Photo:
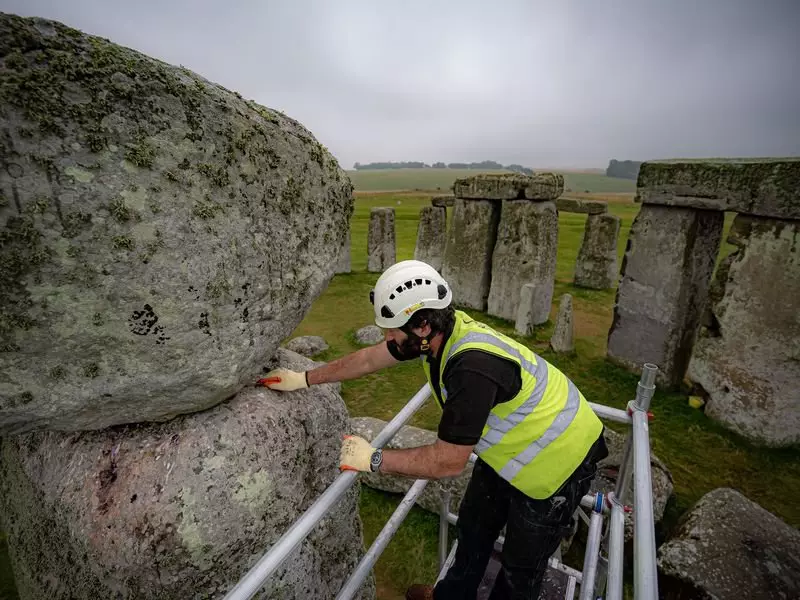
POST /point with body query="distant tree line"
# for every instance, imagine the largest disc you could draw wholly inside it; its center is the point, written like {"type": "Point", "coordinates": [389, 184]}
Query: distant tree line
{"type": "Point", "coordinates": [626, 169]}
{"type": "Point", "coordinates": [486, 165]}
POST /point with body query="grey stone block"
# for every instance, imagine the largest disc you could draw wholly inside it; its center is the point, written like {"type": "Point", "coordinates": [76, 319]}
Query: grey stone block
{"type": "Point", "coordinates": [344, 264]}
{"type": "Point", "coordinates": [380, 240]}
{"type": "Point", "coordinates": [161, 235]}
{"type": "Point", "coordinates": [369, 335]}
{"type": "Point", "coordinates": [443, 201]}
{"type": "Point", "coordinates": [589, 207]}
{"type": "Point", "coordinates": [768, 187]}
{"type": "Point", "coordinates": [510, 186]}
{"type": "Point", "coordinates": [468, 253]}
{"type": "Point", "coordinates": [663, 288]}
{"type": "Point", "coordinates": [727, 546]}
{"type": "Point", "coordinates": [307, 345]}
{"type": "Point", "coordinates": [596, 266]}
{"type": "Point", "coordinates": [563, 338]}
{"type": "Point", "coordinates": [182, 509]}
{"type": "Point", "coordinates": [747, 357]}
{"type": "Point", "coordinates": [525, 252]}
{"type": "Point", "coordinates": [431, 236]}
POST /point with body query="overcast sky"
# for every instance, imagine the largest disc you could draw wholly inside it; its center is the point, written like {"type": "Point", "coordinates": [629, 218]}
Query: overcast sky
{"type": "Point", "coordinates": [553, 83]}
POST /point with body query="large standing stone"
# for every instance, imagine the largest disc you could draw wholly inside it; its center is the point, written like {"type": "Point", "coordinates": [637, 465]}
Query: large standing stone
{"type": "Point", "coordinates": [510, 186]}
{"type": "Point", "coordinates": [431, 236]}
{"type": "Point", "coordinates": [728, 547]}
{"type": "Point", "coordinates": [525, 252]}
{"type": "Point", "coordinates": [182, 509]}
{"type": "Point", "coordinates": [768, 187]}
{"type": "Point", "coordinates": [747, 358]}
{"type": "Point", "coordinates": [596, 267]}
{"type": "Point", "coordinates": [380, 240]}
{"type": "Point", "coordinates": [160, 236]}
{"type": "Point", "coordinates": [663, 288]}
{"type": "Point", "coordinates": [468, 253]}
{"type": "Point", "coordinates": [563, 338]}
{"type": "Point", "coordinates": [343, 265]}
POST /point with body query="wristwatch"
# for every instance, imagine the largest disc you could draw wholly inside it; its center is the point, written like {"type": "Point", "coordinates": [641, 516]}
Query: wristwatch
{"type": "Point", "coordinates": [375, 460]}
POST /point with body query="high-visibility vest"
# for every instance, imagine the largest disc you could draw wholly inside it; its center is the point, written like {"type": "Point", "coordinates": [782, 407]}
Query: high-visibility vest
{"type": "Point", "coordinates": [536, 440]}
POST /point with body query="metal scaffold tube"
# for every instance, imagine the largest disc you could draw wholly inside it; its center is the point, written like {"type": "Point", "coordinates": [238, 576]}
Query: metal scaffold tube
{"type": "Point", "coordinates": [352, 585]}
{"type": "Point", "coordinates": [644, 542]}
{"type": "Point", "coordinates": [283, 548]}
{"type": "Point", "coordinates": [444, 512]}
{"type": "Point", "coordinates": [615, 550]}
{"type": "Point", "coordinates": [592, 552]}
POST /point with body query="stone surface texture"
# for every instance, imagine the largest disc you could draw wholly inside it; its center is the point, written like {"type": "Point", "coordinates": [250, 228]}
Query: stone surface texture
{"type": "Point", "coordinates": [160, 235]}
{"type": "Point", "coordinates": [596, 267]}
{"type": "Point", "coordinates": [574, 205]}
{"type": "Point", "coordinates": [767, 187]}
{"type": "Point", "coordinates": [380, 240]}
{"type": "Point", "coordinates": [182, 509]}
{"type": "Point", "coordinates": [369, 335]}
{"type": "Point", "coordinates": [468, 252]}
{"type": "Point", "coordinates": [525, 252]}
{"type": "Point", "coordinates": [728, 547]}
{"type": "Point", "coordinates": [307, 345]}
{"type": "Point", "coordinates": [431, 236]}
{"type": "Point", "coordinates": [534, 309]}
{"type": "Point", "coordinates": [510, 186]}
{"type": "Point", "coordinates": [747, 356]}
{"type": "Point", "coordinates": [663, 288]}
{"type": "Point", "coordinates": [443, 201]}
{"type": "Point", "coordinates": [344, 264]}
{"type": "Point", "coordinates": [563, 338]}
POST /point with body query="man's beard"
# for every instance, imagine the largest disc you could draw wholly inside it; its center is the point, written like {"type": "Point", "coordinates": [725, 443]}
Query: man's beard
{"type": "Point", "coordinates": [411, 346]}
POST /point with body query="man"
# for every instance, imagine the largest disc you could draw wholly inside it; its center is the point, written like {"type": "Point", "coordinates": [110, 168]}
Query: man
{"type": "Point", "coordinates": [537, 439]}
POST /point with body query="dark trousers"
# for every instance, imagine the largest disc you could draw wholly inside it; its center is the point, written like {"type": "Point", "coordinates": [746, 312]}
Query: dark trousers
{"type": "Point", "coordinates": [534, 529]}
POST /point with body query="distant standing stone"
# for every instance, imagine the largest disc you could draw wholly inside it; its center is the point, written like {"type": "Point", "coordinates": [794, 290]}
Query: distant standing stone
{"type": "Point", "coordinates": [431, 233]}
{"type": "Point", "coordinates": [534, 309]}
{"type": "Point", "coordinates": [369, 335]}
{"type": "Point", "coordinates": [307, 345]}
{"type": "Point", "coordinates": [596, 267]}
{"type": "Point", "coordinates": [564, 333]}
{"type": "Point", "coordinates": [380, 240]}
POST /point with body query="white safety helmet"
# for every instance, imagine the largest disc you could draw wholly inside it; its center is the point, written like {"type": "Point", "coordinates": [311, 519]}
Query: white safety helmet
{"type": "Point", "coordinates": [404, 288]}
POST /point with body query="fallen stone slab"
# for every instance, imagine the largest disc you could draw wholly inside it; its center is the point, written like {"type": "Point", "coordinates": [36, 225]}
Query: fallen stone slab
{"type": "Point", "coordinates": [728, 547]}
{"type": "Point", "coordinates": [307, 345]}
{"type": "Point", "coordinates": [588, 207]}
{"type": "Point", "coordinates": [767, 187]}
{"type": "Point", "coordinates": [747, 354]}
{"type": "Point", "coordinates": [161, 236]}
{"type": "Point", "coordinates": [369, 335]}
{"type": "Point", "coordinates": [183, 509]}
{"type": "Point", "coordinates": [510, 186]}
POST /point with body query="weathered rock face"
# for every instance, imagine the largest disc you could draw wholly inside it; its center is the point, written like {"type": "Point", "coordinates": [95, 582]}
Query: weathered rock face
{"type": "Point", "coordinates": [596, 267]}
{"type": "Point", "coordinates": [344, 263]}
{"type": "Point", "coordinates": [468, 253]}
{"type": "Point", "coordinates": [768, 187]}
{"type": "Point", "coordinates": [510, 186]}
{"type": "Point", "coordinates": [443, 201]}
{"type": "Point", "coordinates": [380, 240]}
{"type": "Point", "coordinates": [663, 288]}
{"type": "Point", "coordinates": [563, 339]}
{"type": "Point", "coordinates": [431, 236]}
{"type": "Point", "coordinates": [307, 345]}
{"type": "Point", "coordinates": [747, 357]}
{"type": "Point", "coordinates": [525, 252]}
{"type": "Point", "coordinates": [730, 547]}
{"type": "Point", "coordinates": [534, 309]}
{"type": "Point", "coordinates": [574, 205]}
{"type": "Point", "coordinates": [369, 335]}
{"type": "Point", "coordinates": [160, 235]}
{"type": "Point", "coordinates": [182, 509]}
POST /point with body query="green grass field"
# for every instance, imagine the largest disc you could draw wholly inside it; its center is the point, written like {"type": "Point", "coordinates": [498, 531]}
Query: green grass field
{"type": "Point", "coordinates": [701, 455]}
{"type": "Point", "coordinates": [384, 180]}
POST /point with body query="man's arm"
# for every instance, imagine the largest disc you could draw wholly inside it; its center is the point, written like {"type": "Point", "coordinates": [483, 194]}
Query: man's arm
{"type": "Point", "coordinates": [353, 365]}
{"type": "Point", "coordinates": [437, 460]}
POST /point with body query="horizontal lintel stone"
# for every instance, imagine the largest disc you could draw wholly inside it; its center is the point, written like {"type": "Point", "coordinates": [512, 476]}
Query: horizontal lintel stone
{"type": "Point", "coordinates": [766, 187]}
{"type": "Point", "coordinates": [587, 207]}
{"type": "Point", "coordinates": [510, 186]}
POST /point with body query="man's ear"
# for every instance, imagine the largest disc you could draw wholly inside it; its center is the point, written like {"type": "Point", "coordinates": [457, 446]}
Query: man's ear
{"type": "Point", "coordinates": [423, 331]}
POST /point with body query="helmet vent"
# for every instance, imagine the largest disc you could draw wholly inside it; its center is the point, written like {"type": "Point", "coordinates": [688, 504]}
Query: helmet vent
{"type": "Point", "coordinates": [418, 281]}
{"type": "Point", "coordinates": [386, 313]}
{"type": "Point", "coordinates": [399, 289]}
{"type": "Point", "coordinates": [442, 291]}
{"type": "Point", "coordinates": [391, 297]}
{"type": "Point", "coordinates": [409, 284]}
{"type": "Point", "coordinates": [427, 282]}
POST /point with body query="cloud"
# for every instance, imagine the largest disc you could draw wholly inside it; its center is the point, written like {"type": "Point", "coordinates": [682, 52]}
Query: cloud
{"type": "Point", "coordinates": [570, 83]}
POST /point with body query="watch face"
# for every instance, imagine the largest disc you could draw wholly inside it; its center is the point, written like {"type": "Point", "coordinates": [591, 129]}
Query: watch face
{"type": "Point", "coordinates": [376, 459]}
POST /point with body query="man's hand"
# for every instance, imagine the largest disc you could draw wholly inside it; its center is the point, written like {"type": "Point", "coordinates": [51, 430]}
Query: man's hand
{"type": "Point", "coordinates": [284, 380]}
{"type": "Point", "coordinates": [356, 454]}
